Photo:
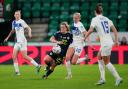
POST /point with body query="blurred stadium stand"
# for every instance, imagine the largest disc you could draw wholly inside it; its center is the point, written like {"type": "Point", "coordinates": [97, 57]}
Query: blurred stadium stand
{"type": "Point", "coordinates": [52, 12]}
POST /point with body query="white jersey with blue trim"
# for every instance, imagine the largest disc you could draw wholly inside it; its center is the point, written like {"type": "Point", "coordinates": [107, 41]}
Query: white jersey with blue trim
{"type": "Point", "coordinates": [77, 31]}
{"type": "Point", "coordinates": [19, 27]}
{"type": "Point", "coordinates": [102, 25]}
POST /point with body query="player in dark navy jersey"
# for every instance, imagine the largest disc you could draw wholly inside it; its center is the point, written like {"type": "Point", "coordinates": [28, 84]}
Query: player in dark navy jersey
{"type": "Point", "coordinates": [63, 38]}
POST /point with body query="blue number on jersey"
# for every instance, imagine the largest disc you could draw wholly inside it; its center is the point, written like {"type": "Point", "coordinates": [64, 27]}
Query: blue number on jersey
{"type": "Point", "coordinates": [105, 26]}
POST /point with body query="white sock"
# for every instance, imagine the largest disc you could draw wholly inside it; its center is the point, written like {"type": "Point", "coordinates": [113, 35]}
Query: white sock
{"type": "Point", "coordinates": [68, 67]}
{"type": "Point", "coordinates": [101, 69]}
{"type": "Point", "coordinates": [80, 60]}
{"type": "Point", "coordinates": [34, 63]}
{"type": "Point", "coordinates": [16, 67]}
{"type": "Point", "coordinates": [112, 69]}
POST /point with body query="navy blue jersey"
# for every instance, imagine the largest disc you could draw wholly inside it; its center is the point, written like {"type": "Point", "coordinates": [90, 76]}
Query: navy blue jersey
{"type": "Point", "coordinates": [65, 38]}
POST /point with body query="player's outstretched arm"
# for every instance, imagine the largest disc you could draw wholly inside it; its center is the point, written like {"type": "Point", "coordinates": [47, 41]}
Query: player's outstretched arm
{"type": "Point", "coordinates": [6, 39]}
{"type": "Point", "coordinates": [115, 34]}
{"type": "Point", "coordinates": [89, 32]}
{"type": "Point", "coordinates": [53, 40]}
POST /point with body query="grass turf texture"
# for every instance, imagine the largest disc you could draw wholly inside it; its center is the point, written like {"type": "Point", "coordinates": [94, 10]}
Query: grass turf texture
{"type": "Point", "coordinates": [84, 77]}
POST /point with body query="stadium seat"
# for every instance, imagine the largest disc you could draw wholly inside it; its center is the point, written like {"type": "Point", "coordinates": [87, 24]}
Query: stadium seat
{"type": "Point", "coordinates": [64, 16]}
{"type": "Point", "coordinates": [114, 6]}
{"type": "Point", "coordinates": [122, 23]}
{"type": "Point", "coordinates": [84, 6]}
{"type": "Point", "coordinates": [113, 14]}
{"type": "Point", "coordinates": [55, 7]}
{"type": "Point", "coordinates": [53, 27]}
{"type": "Point", "coordinates": [123, 6]}
{"type": "Point", "coordinates": [65, 6]}
{"type": "Point", "coordinates": [105, 6]}
{"type": "Point", "coordinates": [46, 6]}
{"type": "Point", "coordinates": [55, 1]}
{"type": "Point", "coordinates": [26, 10]}
{"type": "Point", "coordinates": [84, 14]}
{"type": "Point", "coordinates": [114, 22]}
{"type": "Point", "coordinates": [54, 15]}
{"type": "Point", "coordinates": [74, 7]}
{"type": "Point", "coordinates": [36, 9]}
{"type": "Point", "coordinates": [45, 9]}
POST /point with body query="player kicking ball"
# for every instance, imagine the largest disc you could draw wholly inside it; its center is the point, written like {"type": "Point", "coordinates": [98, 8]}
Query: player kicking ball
{"type": "Point", "coordinates": [103, 25]}
{"type": "Point", "coordinates": [18, 26]}
{"type": "Point", "coordinates": [63, 39]}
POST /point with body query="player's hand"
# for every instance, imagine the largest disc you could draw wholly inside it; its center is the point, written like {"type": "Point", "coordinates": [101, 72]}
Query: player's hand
{"type": "Point", "coordinates": [83, 39]}
{"type": "Point", "coordinates": [60, 42]}
{"type": "Point", "coordinates": [5, 40]}
{"type": "Point", "coordinates": [30, 35]}
{"type": "Point", "coordinates": [116, 43]}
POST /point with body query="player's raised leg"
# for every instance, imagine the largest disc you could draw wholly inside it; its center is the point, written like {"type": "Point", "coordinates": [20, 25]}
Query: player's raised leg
{"type": "Point", "coordinates": [48, 61]}
{"type": "Point", "coordinates": [50, 66]}
{"type": "Point", "coordinates": [69, 55]}
{"type": "Point", "coordinates": [83, 59]}
{"type": "Point", "coordinates": [24, 54]}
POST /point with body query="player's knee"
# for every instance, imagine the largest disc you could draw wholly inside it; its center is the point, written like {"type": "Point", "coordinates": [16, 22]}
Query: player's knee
{"type": "Point", "coordinates": [73, 62]}
{"type": "Point", "coordinates": [67, 58]}
{"type": "Point", "coordinates": [46, 61]}
{"type": "Point", "coordinates": [25, 56]}
{"type": "Point", "coordinates": [14, 57]}
{"type": "Point", "coordinates": [106, 62]}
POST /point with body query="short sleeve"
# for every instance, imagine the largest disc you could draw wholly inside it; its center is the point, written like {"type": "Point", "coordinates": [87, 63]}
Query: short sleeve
{"type": "Point", "coordinates": [110, 23]}
{"type": "Point", "coordinates": [81, 28]}
{"type": "Point", "coordinates": [24, 24]}
{"type": "Point", "coordinates": [13, 27]}
{"type": "Point", "coordinates": [93, 23]}
{"type": "Point", "coordinates": [56, 35]}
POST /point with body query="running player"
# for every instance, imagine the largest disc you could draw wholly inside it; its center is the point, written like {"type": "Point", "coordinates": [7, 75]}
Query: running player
{"type": "Point", "coordinates": [103, 25]}
{"type": "Point", "coordinates": [18, 26]}
{"type": "Point", "coordinates": [75, 49]}
{"type": "Point", "coordinates": [63, 38]}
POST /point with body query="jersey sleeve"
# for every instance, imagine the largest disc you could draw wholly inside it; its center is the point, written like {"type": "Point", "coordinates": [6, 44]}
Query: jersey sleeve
{"type": "Point", "coordinates": [110, 23]}
{"type": "Point", "coordinates": [81, 28]}
{"type": "Point", "coordinates": [93, 23]}
{"type": "Point", "coordinates": [13, 25]}
{"type": "Point", "coordinates": [24, 24]}
{"type": "Point", "coordinates": [56, 35]}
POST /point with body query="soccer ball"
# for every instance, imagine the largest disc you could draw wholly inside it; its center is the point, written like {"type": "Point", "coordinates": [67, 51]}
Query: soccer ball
{"type": "Point", "coordinates": [56, 49]}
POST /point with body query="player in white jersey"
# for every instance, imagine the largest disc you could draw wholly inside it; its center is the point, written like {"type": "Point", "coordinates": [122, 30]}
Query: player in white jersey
{"type": "Point", "coordinates": [75, 49]}
{"type": "Point", "coordinates": [18, 26]}
{"type": "Point", "coordinates": [103, 25]}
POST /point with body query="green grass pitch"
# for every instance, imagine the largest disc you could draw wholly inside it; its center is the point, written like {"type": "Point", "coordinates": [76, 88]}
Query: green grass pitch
{"type": "Point", "coordinates": [84, 77]}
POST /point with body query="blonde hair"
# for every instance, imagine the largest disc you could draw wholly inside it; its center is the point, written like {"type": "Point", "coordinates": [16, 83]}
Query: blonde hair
{"type": "Point", "coordinates": [66, 25]}
{"type": "Point", "coordinates": [77, 14]}
{"type": "Point", "coordinates": [18, 11]}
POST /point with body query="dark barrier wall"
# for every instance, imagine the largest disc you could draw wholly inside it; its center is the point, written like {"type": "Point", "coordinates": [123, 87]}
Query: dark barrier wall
{"type": "Point", "coordinates": [5, 28]}
{"type": "Point", "coordinates": [119, 54]}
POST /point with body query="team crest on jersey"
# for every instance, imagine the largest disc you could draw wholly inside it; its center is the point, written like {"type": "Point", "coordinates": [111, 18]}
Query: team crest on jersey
{"type": "Point", "coordinates": [75, 31]}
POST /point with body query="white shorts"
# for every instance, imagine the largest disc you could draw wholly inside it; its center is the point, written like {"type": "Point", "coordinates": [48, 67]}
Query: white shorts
{"type": "Point", "coordinates": [106, 50]}
{"type": "Point", "coordinates": [20, 46]}
{"type": "Point", "coordinates": [78, 48]}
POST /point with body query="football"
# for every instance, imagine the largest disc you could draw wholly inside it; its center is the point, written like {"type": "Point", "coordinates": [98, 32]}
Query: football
{"type": "Point", "coordinates": [56, 49]}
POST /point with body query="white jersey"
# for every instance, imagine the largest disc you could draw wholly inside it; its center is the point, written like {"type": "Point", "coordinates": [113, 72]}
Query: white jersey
{"type": "Point", "coordinates": [102, 25]}
{"type": "Point", "coordinates": [19, 27]}
{"type": "Point", "coordinates": [77, 30]}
